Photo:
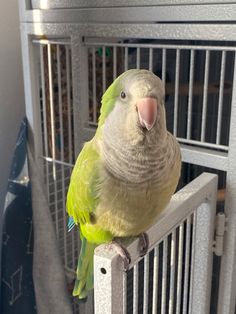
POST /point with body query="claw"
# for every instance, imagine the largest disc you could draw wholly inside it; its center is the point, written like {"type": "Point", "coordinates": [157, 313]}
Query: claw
{"type": "Point", "coordinates": [124, 254]}
{"type": "Point", "coordinates": [144, 243]}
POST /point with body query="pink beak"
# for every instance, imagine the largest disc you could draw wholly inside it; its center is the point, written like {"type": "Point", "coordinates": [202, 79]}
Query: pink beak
{"type": "Point", "coordinates": [147, 112]}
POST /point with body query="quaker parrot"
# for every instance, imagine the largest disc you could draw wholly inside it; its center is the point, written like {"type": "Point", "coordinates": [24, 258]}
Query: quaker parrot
{"type": "Point", "coordinates": [125, 176]}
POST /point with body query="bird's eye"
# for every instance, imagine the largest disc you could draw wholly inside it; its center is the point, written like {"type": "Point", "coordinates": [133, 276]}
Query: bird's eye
{"type": "Point", "coordinates": [123, 95]}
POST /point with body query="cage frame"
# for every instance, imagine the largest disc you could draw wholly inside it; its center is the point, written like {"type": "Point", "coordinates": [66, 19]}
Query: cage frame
{"type": "Point", "coordinates": [40, 23]}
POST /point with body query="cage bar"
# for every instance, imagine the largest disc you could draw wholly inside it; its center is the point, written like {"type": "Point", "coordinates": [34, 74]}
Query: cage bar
{"type": "Point", "coordinates": [146, 284]}
{"type": "Point", "coordinates": [68, 82]}
{"type": "Point", "coordinates": [192, 254]}
{"type": "Point", "coordinates": [227, 287]}
{"type": "Point", "coordinates": [124, 292]}
{"type": "Point", "coordinates": [150, 59]}
{"type": "Point", "coordinates": [114, 63]}
{"type": "Point", "coordinates": [103, 68]}
{"type": "Point", "coordinates": [52, 124]}
{"type": "Point", "coordinates": [162, 46]}
{"type": "Point", "coordinates": [62, 150]}
{"type": "Point", "coordinates": [180, 269]}
{"type": "Point", "coordinates": [164, 276]}
{"type": "Point", "coordinates": [135, 288]}
{"type": "Point", "coordinates": [202, 267]}
{"type": "Point", "coordinates": [176, 101]}
{"type": "Point", "coordinates": [164, 66]}
{"type": "Point", "coordinates": [49, 159]}
{"type": "Point", "coordinates": [108, 297]}
{"type": "Point", "coordinates": [45, 132]}
{"type": "Point", "coordinates": [94, 85]}
{"type": "Point", "coordinates": [172, 271]}
{"type": "Point", "coordinates": [62, 42]}
{"type": "Point", "coordinates": [205, 94]}
{"type": "Point", "coordinates": [155, 280]}
{"type": "Point", "coordinates": [203, 144]}
{"type": "Point", "coordinates": [186, 268]}
{"type": "Point", "coordinates": [126, 58]}
{"type": "Point", "coordinates": [221, 95]}
{"type": "Point", "coordinates": [138, 58]}
{"type": "Point", "coordinates": [190, 95]}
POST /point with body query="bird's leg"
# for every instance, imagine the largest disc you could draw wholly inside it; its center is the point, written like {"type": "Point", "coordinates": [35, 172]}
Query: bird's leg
{"type": "Point", "coordinates": [143, 243]}
{"type": "Point", "coordinates": [124, 254]}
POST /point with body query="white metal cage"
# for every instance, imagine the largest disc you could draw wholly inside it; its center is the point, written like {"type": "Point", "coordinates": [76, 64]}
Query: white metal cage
{"type": "Point", "coordinates": [71, 56]}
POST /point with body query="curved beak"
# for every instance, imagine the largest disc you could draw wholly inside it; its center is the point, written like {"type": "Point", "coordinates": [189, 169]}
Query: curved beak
{"type": "Point", "coordinates": [147, 112]}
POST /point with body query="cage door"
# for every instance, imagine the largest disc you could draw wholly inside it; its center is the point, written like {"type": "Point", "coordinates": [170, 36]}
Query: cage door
{"type": "Point", "coordinates": [175, 276]}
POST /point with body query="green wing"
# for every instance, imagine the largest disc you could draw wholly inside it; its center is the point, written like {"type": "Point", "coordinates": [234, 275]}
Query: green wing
{"type": "Point", "coordinates": [82, 196]}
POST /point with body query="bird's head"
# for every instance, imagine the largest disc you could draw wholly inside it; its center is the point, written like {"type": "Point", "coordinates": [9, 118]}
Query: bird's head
{"type": "Point", "coordinates": [134, 106]}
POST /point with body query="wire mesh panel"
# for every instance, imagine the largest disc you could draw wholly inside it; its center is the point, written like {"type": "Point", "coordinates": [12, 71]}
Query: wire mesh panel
{"type": "Point", "coordinates": [167, 279]}
{"type": "Point", "coordinates": [198, 80]}
{"type": "Point", "coordinates": [56, 104]}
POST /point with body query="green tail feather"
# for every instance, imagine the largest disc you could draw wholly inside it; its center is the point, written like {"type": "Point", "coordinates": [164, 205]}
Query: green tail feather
{"type": "Point", "coordinates": [84, 279]}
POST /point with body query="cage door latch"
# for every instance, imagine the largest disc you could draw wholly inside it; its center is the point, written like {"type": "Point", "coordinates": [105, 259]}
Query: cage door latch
{"type": "Point", "coordinates": [220, 228]}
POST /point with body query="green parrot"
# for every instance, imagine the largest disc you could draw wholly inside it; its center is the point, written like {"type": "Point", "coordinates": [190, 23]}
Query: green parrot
{"type": "Point", "coordinates": [125, 176]}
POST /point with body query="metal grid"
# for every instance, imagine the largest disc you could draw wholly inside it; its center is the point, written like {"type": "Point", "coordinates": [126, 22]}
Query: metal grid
{"type": "Point", "coordinates": [56, 104]}
{"type": "Point", "coordinates": [167, 279]}
{"type": "Point", "coordinates": [195, 98]}
{"type": "Point", "coordinates": [160, 282]}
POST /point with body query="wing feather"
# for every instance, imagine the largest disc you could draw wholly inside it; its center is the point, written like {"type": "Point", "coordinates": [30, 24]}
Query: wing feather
{"type": "Point", "coordinates": [82, 194]}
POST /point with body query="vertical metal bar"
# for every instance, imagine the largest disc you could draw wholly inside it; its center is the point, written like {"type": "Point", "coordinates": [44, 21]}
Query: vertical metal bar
{"type": "Point", "coordinates": [146, 283]}
{"type": "Point", "coordinates": [227, 289]}
{"type": "Point", "coordinates": [94, 85]}
{"type": "Point", "coordinates": [108, 281]}
{"type": "Point", "coordinates": [103, 68]}
{"type": "Point", "coordinates": [62, 150]}
{"type": "Point", "coordinates": [124, 292]}
{"type": "Point", "coordinates": [176, 101]}
{"type": "Point", "coordinates": [164, 277]}
{"type": "Point", "coordinates": [126, 58]}
{"type": "Point", "coordinates": [68, 84]}
{"type": "Point", "coordinates": [163, 75]}
{"type": "Point", "coordinates": [205, 94]}
{"type": "Point", "coordinates": [194, 222]}
{"type": "Point", "coordinates": [52, 120]}
{"type": "Point", "coordinates": [155, 280]}
{"type": "Point", "coordinates": [172, 272]}
{"type": "Point", "coordinates": [138, 59]}
{"type": "Point", "coordinates": [69, 107]}
{"type": "Point", "coordinates": [150, 59]}
{"type": "Point", "coordinates": [80, 75]}
{"type": "Point", "coordinates": [135, 289]}
{"type": "Point", "coordinates": [114, 63]}
{"type": "Point", "coordinates": [42, 73]}
{"type": "Point", "coordinates": [180, 268]}
{"type": "Point", "coordinates": [186, 266]}
{"type": "Point", "coordinates": [190, 95]}
{"type": "Point", "coordinates": [202, 258]}
{"type": "Point", "coordinates": [221, 96]}
{"type": "Point", "coordinates": [51, 107]}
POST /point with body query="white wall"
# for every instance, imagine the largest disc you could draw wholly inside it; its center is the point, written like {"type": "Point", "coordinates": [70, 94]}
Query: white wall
{"type": "Point", "coordinates": [11, 89]}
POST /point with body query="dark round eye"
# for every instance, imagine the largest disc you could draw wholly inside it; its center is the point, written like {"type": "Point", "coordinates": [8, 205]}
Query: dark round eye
{"type": "Point", "coordinates": [123, 95]}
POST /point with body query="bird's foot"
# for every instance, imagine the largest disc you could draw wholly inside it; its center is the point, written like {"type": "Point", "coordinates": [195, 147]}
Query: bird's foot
{"type": "Point", "coordinates": [124, 254]}
{"type": "Point", "coordinates": [143, 243]}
